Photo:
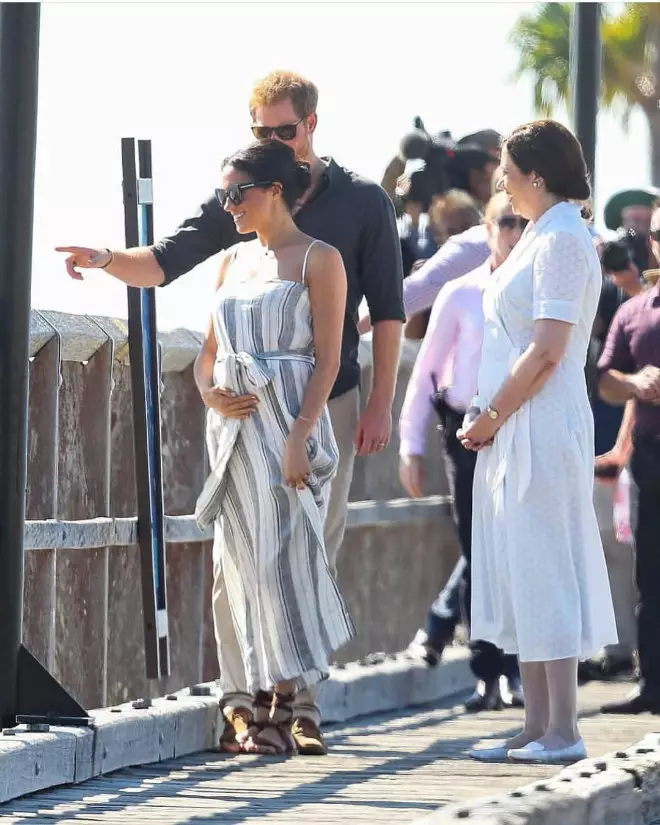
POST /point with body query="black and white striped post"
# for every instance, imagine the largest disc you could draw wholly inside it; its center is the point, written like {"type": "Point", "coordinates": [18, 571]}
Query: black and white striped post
{"type": "Point", "coordinates": [145, 383]}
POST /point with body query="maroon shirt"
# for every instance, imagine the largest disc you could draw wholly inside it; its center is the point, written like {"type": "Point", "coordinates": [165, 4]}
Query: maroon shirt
{"type": "Point", "coordinates": [633, 342]}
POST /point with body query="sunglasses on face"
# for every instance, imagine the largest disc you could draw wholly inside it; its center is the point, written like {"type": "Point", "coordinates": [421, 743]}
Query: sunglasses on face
{"type": "Point", "coordinates": [285, 132]}
{"type": "Point", "coordinates": [655, 234]}
{"type": "Point", "coordinates": [512, 222]}
{"type": "Point", "coordinates": [235, 192]}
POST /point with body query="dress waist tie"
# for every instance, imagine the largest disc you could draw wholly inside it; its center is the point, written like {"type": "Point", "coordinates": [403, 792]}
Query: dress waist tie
{"type": "Point", "coordinates": [242, 369]}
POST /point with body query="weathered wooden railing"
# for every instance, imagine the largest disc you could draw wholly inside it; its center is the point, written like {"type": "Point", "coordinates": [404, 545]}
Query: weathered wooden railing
{"type": "Point", "coordinates": [82, 583]}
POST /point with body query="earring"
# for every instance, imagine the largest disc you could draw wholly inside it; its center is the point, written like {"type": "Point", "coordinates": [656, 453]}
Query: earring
{"type": "Point", "coordinates": [536, 183]}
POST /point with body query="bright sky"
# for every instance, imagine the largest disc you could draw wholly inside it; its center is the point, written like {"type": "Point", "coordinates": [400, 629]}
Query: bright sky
{"type": "Point", "coordinates": [180, 74]}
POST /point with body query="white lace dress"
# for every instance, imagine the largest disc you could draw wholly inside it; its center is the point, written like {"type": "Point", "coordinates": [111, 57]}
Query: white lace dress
{"type": "Point", "coordinates": [539, 581]}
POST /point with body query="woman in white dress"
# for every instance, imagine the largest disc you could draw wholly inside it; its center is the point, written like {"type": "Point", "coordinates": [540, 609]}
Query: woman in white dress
{"type": "Point", "coordinates": [539, 581]}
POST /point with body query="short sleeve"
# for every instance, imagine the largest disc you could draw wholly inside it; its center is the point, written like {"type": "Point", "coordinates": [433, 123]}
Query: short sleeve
{"type": "Point", "coordinates": [561, 272]}
{"type": "Point", "coordinates": [616, 354]}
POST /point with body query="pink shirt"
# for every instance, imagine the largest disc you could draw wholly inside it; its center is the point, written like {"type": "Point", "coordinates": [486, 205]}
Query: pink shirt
{"type": "Point", "coordinates": [460, 255]}
{"type": "Point", "coordinates": [451, 351]}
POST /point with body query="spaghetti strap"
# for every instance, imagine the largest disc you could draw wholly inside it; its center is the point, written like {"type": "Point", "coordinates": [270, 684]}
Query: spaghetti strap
{"type": "Point", "coordinates": [304, 266]}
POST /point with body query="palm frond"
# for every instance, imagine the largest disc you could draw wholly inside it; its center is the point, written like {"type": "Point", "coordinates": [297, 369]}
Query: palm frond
{"type": "Point", "coordinates": [631, 56]}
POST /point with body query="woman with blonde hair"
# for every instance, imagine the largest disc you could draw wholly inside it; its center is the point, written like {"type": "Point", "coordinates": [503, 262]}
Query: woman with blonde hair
{"type": "Point", "coordinates": [448, 363]}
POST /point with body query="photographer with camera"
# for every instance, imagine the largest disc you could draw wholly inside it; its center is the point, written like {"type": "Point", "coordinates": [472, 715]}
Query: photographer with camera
{"type": "Point", "coordinates": [468, 164]}
{"type": "Point", "coordinates": [414, 225]}
{"type": "Point", "coordinates": [478, 158]}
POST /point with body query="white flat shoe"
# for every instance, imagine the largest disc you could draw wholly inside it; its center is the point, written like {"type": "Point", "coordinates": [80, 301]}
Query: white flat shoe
{"type": "Point", "coordinates": [536, 752]}
{"type": "Point", "coordinates": [497, 753]}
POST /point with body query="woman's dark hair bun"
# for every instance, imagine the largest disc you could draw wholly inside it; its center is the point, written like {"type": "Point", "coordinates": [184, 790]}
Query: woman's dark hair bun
{"type": "Point", "coordinates": [578, 189]}
{"type": "Point", "coordinates": [554, 153]}
{"type": "Point", "coordinates": [274, 162]}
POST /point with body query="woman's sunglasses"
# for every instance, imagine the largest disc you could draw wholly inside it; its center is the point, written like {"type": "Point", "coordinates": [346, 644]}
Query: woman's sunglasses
{"type": "Point", "coordinates": [285, 132]}
{"type": "Point", "coordinates": [235, 192]}
{"type": "Point", "coordinates": [655, 234]}
{"type": "Point", "coordinates": [512, 222]}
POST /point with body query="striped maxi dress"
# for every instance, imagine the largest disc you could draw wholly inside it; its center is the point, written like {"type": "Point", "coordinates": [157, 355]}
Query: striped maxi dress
{"type": "Point", "coordinates": [287, 611]}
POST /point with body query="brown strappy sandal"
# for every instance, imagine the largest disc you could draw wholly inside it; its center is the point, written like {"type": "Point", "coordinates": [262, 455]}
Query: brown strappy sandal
{"type": "Point", "coordinates": [238, 722]}
{"type": "Point", "coordinates": [272, 735]}
{"type": "Point", "coordinates": [282, 718]}
{"type": "Point", "coordinates": [255, 741]}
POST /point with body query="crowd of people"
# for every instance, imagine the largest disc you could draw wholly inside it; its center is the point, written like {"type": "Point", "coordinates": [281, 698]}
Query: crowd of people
{"type": "Point", "coordinates": [518, 314]}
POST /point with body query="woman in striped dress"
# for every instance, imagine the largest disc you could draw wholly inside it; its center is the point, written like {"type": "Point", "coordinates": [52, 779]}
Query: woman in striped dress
{"type": "Point", "coordinates": [266, 368]}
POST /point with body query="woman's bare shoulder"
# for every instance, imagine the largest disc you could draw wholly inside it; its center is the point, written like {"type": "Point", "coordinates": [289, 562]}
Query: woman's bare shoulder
{"type": "Point", "coordinates": [322, 254]}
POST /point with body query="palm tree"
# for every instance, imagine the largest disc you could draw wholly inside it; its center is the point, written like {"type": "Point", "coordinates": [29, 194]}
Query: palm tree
{"type": "Point", "coordinates": [630, 69]}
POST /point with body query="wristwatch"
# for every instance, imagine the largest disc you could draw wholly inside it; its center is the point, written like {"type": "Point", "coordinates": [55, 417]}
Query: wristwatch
{"type": "Point", "coordinates": [492, 413]}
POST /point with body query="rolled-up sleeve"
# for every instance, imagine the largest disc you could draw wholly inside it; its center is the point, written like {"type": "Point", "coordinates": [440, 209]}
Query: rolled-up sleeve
{"type": "Point", "coordinates": [381, 270]}
{"type": "Point", "coordinates": [459, 255]}
{"type": "Point", "coordinates": [561, 272]}
{"type": "Point", "coordinates": [206, 233]}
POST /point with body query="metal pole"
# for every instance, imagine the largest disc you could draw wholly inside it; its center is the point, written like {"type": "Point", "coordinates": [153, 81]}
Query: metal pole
{"type": "Point", "coordinates": [19, 58]}
{"type": "Point", "coordinates": [145, 384]}
{"type": "Point", "coordinates": [585, 77]}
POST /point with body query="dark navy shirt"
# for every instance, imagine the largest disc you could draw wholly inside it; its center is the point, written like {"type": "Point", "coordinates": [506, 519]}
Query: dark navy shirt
{"type": "Point", "coordinates": [352, 214]}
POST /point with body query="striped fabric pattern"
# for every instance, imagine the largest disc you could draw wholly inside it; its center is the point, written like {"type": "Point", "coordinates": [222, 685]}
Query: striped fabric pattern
{"type": "Point", "coordinates": [287, 611]}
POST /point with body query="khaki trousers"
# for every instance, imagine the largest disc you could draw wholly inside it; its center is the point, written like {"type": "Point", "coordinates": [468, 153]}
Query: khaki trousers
{"type": "Point", "coordinates": [344, 415]}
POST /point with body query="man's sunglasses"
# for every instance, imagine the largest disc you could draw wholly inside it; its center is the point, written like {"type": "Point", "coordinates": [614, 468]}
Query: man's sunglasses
{"type": "Point", "coordinates": [512, 222]}
{"type": "Point", "coordinates": [285, 132]}
{"type": "Point", "coordinates": [235, 192]}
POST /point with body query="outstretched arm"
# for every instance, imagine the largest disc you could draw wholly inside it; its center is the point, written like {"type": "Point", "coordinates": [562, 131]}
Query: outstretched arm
{"type": "Point", "coordinates": [207, 232]}
{"type": "Point", "coordinates": [135, 267]}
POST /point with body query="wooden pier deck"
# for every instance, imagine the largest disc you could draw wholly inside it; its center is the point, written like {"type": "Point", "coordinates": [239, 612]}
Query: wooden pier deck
{"type": "Point", "coordinates": [389, 769]}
